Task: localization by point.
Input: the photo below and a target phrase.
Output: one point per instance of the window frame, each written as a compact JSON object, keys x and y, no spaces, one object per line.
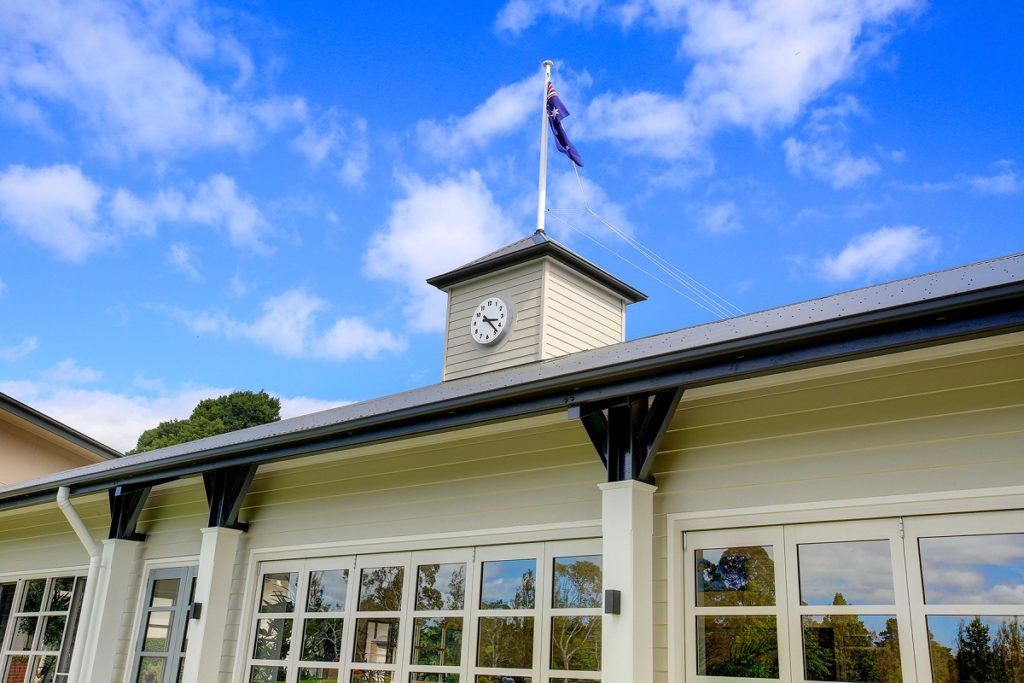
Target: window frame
{"x":71,"y":616}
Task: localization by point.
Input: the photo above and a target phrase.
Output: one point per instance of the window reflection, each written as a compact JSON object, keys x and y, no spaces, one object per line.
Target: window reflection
{"x":327,"y":591}
{"x":728,"y":577}
{"x":273,"y":639}
{"x":973,"y":570}
{"x":317,"y":675}
{"x":363,"y":676}
{"x":576,"y":582}
{"x":978,"y":648}
{"x":846,"y":647}
{"x":576,"y":643}
{"x":279,"y":591}
{"x":846,"y":573}
{"x":321,"y":640}
{"x":267,"y":674}
{"x":505,"y":642}
{"x":441,"y":586}
{"x":508,"y":584}
{"x":376,"y":641}
{"x":739,"y":646}
{"x":380,"y":589}
{"x":437,"y":641}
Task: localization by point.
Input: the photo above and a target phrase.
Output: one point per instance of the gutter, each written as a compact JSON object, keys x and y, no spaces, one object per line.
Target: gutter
{"x":957,"y":317}
{"x":84,"y":617}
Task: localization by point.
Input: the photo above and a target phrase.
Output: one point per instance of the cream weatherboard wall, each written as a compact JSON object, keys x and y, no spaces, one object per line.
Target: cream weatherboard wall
{"x":579,"y":313}
{"x":944,"y":419}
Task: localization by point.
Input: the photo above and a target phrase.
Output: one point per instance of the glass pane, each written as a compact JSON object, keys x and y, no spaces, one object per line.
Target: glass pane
{"x":973,"y":570}
{"x":441,"y":586}
{"x":165,"y":593}
{"x":33,"y":599}
{"x":327,"y":591}
{"x":508,"y":584}
{"x":60,"y":594}
{"x":151,"y":669}
{"x":279,"y":591}
{"x":317,"y":675}
{"x":361,"y":676}
{"x":64,"y":663}
{"x":851,"y":648}
{"x":737,"y":647}
{"x":17,"y":667}
{"x":24,"y":632}
{"x":273,"y":639}
{"x":53,"y":633}
{"x":505,"y":642}
{"x":437,"y":642}
{"x":268,"y":674}
{"x":503,"y":679}
{"x":577,"y":582}
{"x":570,"y":680}
{"x":6,"y":607}
{"x":376,"y":641}
{"x":576,"y":643}
{"x":730,"y":577}
{"x":44,"y":670}
{"x":847,"y":573}
{"x":321,"y":640}
{"x":158,"y":631}
{"x":986,"y":648}
{"x":433,"y":678}
{"x":380,"y":589}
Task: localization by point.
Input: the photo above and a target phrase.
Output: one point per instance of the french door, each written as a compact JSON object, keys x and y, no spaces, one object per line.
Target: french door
{"x":159,"y":655}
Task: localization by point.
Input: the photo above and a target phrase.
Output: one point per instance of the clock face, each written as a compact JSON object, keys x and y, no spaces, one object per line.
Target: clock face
{"x":490,"y":320}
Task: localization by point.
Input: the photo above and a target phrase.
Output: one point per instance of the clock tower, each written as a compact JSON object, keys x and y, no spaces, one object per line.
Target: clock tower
{"x":529,"y":301}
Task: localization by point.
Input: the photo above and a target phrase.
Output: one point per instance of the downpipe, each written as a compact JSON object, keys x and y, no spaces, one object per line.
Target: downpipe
{"x":78,"y":655}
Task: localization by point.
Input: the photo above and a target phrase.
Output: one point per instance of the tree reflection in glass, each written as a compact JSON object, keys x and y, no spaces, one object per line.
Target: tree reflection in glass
{"x":279,"y":592}
{"x":979,"y":648}
{"x":267,"y":674}
{"x":441,"y":586}
{"x":273,"y":639}
{"x":576,"y":643}
{"x":576,"y":582}
{"x":321,"y":640}
{"x":505,"y":642}
{"x":317,"y":675}
{"x":34,"y":591}
{"x":376,"y":641}
{"x":437,"y":641}
{"x":730,"y":577}
{"x":737,"y":646}
{"x":363,"y":676}
{"x":857,"y":648}
{"x":380,"y":589}
{"x":433,"y":678}
{"x":327,"y":591}
{"x":509,"y":584}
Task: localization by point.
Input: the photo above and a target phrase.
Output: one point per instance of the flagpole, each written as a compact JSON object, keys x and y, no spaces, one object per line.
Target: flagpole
{"x":542,"y":191}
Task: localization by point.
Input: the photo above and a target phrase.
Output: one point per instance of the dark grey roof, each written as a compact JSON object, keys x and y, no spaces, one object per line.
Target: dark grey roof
{"x":527,"y":249}
{"x":15,"y":407}
{"x":891,"y":315}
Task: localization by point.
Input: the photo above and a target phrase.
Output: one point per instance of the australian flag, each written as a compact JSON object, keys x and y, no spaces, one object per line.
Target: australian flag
{"x":557,"y":112}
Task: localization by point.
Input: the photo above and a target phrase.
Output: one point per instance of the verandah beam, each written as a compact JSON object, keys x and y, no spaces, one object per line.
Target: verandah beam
{"x":126,"y":504}
{"x":627,"y":433}
{"x":225,"y":490}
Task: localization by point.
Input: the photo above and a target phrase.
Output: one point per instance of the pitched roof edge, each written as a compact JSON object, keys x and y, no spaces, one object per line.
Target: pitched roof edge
{"x":43,"y":421}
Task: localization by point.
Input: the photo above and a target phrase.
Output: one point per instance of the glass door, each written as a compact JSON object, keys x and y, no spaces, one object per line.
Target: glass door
{"x":163,"y":630}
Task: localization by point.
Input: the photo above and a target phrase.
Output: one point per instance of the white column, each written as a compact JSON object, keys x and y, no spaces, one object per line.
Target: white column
{"x":101,"y":646}
{"x":213,"y":588}
{"x":627,"y":523}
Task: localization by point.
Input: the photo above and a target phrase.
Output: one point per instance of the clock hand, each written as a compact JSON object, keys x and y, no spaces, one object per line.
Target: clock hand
{"x":491,"y":321}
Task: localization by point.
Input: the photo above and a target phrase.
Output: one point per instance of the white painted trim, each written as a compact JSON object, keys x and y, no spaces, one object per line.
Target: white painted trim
{"x":76,"y":570}
{"x":545,"y":278}
{"x":536,"y":533}
{"x":903,"y":505}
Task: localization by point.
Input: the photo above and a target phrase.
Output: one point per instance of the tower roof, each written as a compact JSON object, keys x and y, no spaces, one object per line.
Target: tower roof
{"x":529,"y":248}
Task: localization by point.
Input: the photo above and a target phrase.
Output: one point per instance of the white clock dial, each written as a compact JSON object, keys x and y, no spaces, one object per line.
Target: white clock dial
{"x":490,"y":320}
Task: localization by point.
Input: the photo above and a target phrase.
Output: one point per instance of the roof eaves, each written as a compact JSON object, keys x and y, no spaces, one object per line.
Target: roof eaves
{"x":59,"y":429}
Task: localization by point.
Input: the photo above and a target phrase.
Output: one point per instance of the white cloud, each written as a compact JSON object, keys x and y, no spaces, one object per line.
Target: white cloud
{"x":55,"y":207}
{"x":879,"y":253}
{"x":518,"y":15}
{"x":506,"y":110}
{"x":345,"y":146}
{"x":718,"y":219}
{"x":1002,"y":179}
{"x":118,"y":418}
{"x":825,"y":154}
{"x":20,"y":350}
{"x":68,"y":371}
{"x":182,"y":257}
{"x":435,"y":227}
{"x":126,"y":70}
{"x":288,"y":327}
{"x":755,"y":64}
{"x":564,"y":192}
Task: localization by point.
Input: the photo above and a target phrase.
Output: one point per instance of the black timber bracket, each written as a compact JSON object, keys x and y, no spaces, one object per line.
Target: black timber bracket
{"x":126,"y":503}
{"x":627,"y":431}
{"x":225,"y":490}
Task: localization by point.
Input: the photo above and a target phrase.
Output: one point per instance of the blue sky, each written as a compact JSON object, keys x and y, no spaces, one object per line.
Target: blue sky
{"x":197,"y":197}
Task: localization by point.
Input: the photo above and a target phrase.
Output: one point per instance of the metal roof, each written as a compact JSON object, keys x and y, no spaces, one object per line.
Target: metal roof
{"x":529,"y":248}
{"x":15,"y":407}
{"x":979,"y":299}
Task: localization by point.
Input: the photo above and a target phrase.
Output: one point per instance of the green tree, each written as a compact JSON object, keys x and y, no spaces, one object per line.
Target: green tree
{"x":237,"y":410}
{"x":1009,"y":645}
{"x":975,"y":661}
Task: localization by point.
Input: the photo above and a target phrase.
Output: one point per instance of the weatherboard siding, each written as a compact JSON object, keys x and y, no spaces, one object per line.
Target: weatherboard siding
{"x":579,"y":314}
{"x":942,"y":424}
{"x":521,"y":287}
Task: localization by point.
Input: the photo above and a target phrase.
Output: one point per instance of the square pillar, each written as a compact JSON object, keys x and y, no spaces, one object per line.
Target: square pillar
{"x":627,"y":525}
{"x":213,"y":589}
{"x":94,"y":643}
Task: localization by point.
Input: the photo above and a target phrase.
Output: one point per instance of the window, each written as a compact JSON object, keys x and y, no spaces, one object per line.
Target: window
{"x":38,"y":619}
{"x":509,"y":614}
{"x":937,"y":598}
{"x":163,"y":629}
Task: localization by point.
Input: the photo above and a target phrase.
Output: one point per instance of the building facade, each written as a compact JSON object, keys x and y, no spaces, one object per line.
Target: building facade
{"x":831,"y":490}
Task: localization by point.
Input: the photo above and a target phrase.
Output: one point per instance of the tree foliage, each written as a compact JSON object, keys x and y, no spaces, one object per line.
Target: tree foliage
{"x":237,"y":410}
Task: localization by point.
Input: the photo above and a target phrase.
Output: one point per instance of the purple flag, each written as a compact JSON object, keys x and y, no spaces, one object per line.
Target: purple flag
{"x":557,"y":112}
